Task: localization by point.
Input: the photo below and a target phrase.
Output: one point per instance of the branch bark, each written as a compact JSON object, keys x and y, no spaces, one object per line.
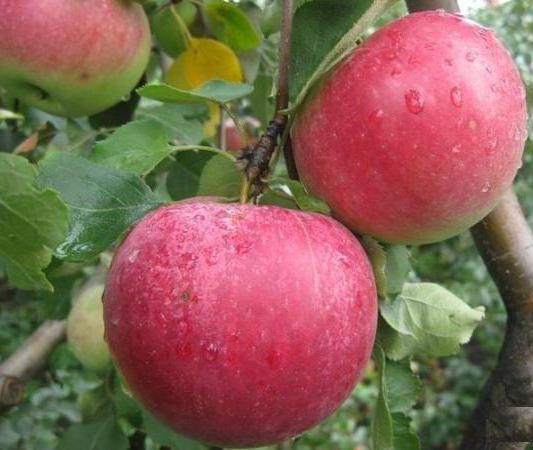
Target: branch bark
{"x":258,"y":158}
{"x":28,"y":359}
{"x":503,"y":417}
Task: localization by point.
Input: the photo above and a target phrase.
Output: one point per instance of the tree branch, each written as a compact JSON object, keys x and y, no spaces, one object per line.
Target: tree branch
{"x":258,"y":158}
{"x":503,"y":417}
{"x":28,"y":359}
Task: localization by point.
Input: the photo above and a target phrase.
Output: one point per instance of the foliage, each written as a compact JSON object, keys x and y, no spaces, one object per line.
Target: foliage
{"x":79,"y":184}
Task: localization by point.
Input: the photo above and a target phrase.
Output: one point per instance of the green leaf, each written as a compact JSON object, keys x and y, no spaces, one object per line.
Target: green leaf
{"x":404,"y":437}
{"x":33,"y":222}
{"x":102,"y":202}
{"x":220,"y":177}
{"x":136,"y":147}
{"x":164,"y":436}
{"x":183,"y":179}
{"x":183,"y":123}
{"x":397,"y":267}
{"x":304,"y":200}
{"x":426,"y":319}
{"x":382,"y":428}
{"x":403,"y":387}
{"x":278,"y":198}
{"x":101,"y":434}
{"x":314,"y":53}
{"x":398,"y":390}
{"x":378,"y":258}
{"x":217,"y":91}
{"x":231,"y":25}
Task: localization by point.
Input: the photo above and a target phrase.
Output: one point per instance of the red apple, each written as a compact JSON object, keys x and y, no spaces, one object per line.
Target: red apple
{"x":240,"y":325}
{"x":416,"y":135}
{"x":234,"y":140}
{"x":72,"y":58}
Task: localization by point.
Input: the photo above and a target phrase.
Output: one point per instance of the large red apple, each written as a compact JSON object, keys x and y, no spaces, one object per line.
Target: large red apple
{"x":240,"y":325}
{"x":72,"y":57}
{"x":415,"y":136}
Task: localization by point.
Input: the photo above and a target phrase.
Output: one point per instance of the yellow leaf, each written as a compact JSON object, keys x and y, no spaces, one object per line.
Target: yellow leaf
{"x":203,"y":61}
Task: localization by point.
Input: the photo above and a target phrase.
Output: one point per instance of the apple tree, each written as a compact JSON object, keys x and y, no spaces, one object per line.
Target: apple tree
{"x":220,"y":206}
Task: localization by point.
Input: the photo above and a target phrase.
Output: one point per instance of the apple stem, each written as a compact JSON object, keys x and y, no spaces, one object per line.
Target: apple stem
{"x":183,"y":28}
{"x":258,"y":158}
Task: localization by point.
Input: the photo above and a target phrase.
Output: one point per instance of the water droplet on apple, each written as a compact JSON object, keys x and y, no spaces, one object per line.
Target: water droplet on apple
{"x":456,"y":96}
{"x":376,"y":116}
{"x":211,"y":352}
{"x":470,"y":56}
{"x":414,"y":101}
{"x":456,"y":148}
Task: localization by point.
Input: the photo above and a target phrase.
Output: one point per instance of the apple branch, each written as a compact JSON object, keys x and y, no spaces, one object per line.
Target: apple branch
{"x":28,"y":359}
{"x":257,"y":159}
{"x":504,"y":413}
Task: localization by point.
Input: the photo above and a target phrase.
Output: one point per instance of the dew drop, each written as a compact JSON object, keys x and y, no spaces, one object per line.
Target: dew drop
{"x":456,"y":96}
{"x":470,"y":57}
{"x":376,"y":116}
{"x":414,"y":101}
{"x":133,"y":255}
{"x":211,"y":352}
{"x":456,"y":148}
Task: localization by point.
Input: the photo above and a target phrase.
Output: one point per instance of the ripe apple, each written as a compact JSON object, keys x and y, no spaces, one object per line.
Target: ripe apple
{"x":240,"y":325}
{"x":166,"y":28}
{"x":85,"y":329}
{"x":415,"y":136}
{"x":72,"y":58}
{"x":234,"y":140}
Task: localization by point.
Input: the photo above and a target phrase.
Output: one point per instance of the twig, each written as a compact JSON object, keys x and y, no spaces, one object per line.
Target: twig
{"x":258,"y":159}
{"x":29,"y":358}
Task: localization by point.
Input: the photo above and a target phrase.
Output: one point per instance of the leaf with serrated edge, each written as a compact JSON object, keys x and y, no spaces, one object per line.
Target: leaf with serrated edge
{"x":32,"y":223}
{"x":102,"y":202}
{"x":136,"y":147}
{"x":217,"y":91}
{"x":426,"y":319}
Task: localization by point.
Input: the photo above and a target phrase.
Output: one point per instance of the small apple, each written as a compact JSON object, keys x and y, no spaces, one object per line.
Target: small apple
{"x":166,"y":28}
{"x":240,"y":325}
{"x":416,"y":135}
{"x":72,"y":58}
{"x":234,"y":139}
{"x":85,"y":329}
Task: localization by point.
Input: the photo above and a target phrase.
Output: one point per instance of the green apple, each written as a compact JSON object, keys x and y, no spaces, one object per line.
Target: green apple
{"x":85,"y":329}
{"x":167,"y":30}
{"x":72,"y":58}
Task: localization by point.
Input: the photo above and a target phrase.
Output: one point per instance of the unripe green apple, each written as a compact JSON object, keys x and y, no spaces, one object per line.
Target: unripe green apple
{"x":85,"y":329}
{"x":167,"y":29}
{"x":72,"y":58}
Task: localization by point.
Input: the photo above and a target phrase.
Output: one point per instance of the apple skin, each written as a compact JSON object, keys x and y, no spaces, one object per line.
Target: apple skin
{"x":240,"y":325}
{"x":85,"y":329}
{"x":234,"y":140}
{"x":416,"y":135}
{"x":72,"y":58}
{"x":166,"y":29}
